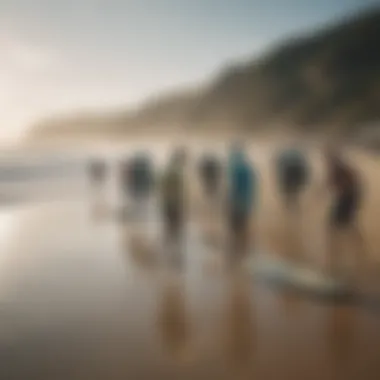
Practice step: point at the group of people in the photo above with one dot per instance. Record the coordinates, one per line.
(292, 172)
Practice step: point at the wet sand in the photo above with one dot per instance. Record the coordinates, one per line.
(84, 296)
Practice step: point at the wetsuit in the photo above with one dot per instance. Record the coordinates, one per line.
(241, 192)
(210, 173)
(140, 177)
(346, 188)
(292, 174)
(172, 194)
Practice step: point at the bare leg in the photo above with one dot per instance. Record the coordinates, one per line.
(179, 247)
(333, 253)
(243, 242)
(294, 235)
(175, 234)
(236, 246)
(360, 250)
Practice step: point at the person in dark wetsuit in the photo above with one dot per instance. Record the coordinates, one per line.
(210, 171)
(292, 174)
(172, 193)
(344, 184)
(137, 181)
(139, 177)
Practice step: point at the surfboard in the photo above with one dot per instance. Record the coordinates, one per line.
(277, 271)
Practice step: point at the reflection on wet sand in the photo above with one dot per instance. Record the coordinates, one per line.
(239, 325)
(173, 321)
(142, 250)
(292, 302)
(149, 252)
(341, 337)
(214, 263)
(213, 233)
(99, 211)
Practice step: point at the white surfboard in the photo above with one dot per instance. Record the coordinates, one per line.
(278, 271)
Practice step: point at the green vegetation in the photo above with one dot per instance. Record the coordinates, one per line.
(327, 81)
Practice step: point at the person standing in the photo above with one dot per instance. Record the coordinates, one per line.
(292, 175)
(139, 179)
(140, 176)
(346, 189)
(210, 172)
(242, 183)
(173, 198)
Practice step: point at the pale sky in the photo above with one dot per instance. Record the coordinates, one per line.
(58, 56)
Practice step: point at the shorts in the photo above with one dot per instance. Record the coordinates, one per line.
(345, 209)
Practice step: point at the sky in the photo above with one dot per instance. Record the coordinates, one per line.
(62, 56)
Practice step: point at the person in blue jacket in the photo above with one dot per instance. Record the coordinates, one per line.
(242, 183)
